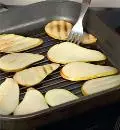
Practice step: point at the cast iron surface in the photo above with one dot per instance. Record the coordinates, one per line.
(31, 19)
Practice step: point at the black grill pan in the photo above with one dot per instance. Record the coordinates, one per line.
(30, 21)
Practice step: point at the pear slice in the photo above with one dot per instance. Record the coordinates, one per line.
(100, 84)
(60, 29)
(33, 76)
(33, 101)
(56, 97)
(18, 61)
(11, 43)
(78, 71)
(22, 45)
(88, 39)
(9, 96)
(67, 52)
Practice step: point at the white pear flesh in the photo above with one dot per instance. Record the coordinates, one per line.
(33, 101)
(56, 97)
(9, 96)
(18, 61)
(33, 76)
(78, 71)
(100, 84)
(68, 52)
(11, 43)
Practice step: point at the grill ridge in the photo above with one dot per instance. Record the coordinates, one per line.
(54, 80)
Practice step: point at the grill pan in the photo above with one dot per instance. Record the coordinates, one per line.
(30, 21)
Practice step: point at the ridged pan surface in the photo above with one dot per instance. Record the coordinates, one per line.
(54, 80)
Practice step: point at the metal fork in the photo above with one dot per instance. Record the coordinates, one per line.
(77, 32)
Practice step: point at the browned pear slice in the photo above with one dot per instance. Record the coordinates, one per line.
(78, 71)
(32, 76)
(10, 43)
(17, 61)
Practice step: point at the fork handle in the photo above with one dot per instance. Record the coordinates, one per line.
(84, 7)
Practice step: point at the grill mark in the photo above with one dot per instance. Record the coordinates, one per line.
(51, 27)
(63, 32)
(65, 27)
(58, 29)
(51, 68)
(44, 69)
(58, 26)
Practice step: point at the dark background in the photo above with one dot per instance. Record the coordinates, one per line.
(102, 119)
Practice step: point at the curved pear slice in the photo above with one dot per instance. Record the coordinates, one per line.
(32, 76)
(18, 61)
(78, 71)
(88, 39)
(9, 96)
(67, 52)
(100, 84)
(58, 29)
(33, 101)
(10, 43)
(56, 97)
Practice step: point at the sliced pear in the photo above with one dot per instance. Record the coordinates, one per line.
(67, 52)
(32, 76)
(60, 29)
(89, 39)
(78, 71)
(33, 101)
(6, 37)
(9, 96)
(18, 61)
(10, 43)
(56, 97)
(22, 45)
(100, 84)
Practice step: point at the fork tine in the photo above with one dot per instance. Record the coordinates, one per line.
(78, 27)
(69, 37)
(79, 41)
(73, 38)
(77, 38)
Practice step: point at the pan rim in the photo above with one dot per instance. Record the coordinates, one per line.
(65, 105)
